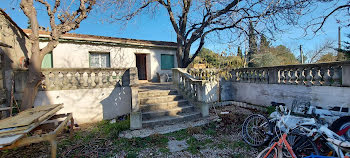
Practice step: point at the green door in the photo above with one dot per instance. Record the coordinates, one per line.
(47, 61)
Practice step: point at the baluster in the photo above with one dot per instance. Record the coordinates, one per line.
(327, 76)
(56, 80)
(60, 78)
(85, 78)
(282, 77)
(265, 76)
(105, 77)
(336, 76)
(64, 80)
(234, 75)
(309, 77)
(253, 76)
(94, 79)
(288, 76)
(317, 76)
(249, 76)
(114, 79)
(301, 78)
(100, 79)
(294, 76)
(89, 79)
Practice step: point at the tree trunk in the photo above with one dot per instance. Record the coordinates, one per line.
(34, 78)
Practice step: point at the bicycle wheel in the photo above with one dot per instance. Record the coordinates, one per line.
(302, 145)
(256, 130)
(272, 154)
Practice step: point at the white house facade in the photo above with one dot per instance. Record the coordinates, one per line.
(89, 51)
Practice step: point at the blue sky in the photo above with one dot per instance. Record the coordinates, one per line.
(159, 28)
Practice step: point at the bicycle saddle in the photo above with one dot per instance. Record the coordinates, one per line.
(344, 144)
(277, 104)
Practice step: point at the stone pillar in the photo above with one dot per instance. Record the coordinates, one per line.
(204, 107)
(175, 76)
(129, 77)
(346, 75)
(273, 76)
(135, 114)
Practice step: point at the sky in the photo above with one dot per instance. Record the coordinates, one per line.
(159, 28)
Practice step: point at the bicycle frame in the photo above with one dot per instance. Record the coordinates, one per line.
(282, 141)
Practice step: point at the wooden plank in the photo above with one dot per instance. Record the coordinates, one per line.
(26, 129)
(9, 140)
(51, 137)
(29, 116)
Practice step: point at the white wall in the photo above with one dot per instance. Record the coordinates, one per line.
(70, 55)
(89, 105)
(264, 94)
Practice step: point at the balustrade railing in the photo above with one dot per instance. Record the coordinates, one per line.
(188, 85)
(322, 74)
(80, 78)
(204, 74)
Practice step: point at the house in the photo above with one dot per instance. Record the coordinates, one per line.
(14, 44)
(92, 75)
(90, 51)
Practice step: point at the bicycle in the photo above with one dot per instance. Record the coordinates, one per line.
(290, 144)
(257, 129)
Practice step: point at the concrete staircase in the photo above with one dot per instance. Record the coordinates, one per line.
(164, 106)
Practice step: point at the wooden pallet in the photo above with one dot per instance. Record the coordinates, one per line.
(50, 136)
(14, 128)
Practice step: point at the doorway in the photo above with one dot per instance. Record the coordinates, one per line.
(141, 66)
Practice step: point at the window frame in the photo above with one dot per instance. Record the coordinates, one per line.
(108, 64)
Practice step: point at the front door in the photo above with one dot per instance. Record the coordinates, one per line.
(141, 66)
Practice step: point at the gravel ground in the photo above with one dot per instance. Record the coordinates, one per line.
(217, 139)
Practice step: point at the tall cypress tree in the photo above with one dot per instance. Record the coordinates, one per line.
(264, 44)
(252, 45)
(239, 52)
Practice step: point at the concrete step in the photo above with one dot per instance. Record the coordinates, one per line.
(164, 106)
(169, 112)
(156, 93)
(161, 99)
(171, 119)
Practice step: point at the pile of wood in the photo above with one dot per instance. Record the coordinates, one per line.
(14, 128)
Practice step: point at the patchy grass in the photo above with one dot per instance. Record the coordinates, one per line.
(217, 139)
(194, 145)
(179, 135)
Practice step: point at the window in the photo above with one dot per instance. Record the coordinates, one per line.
(47, 61)
(99, 60)
(167, 62)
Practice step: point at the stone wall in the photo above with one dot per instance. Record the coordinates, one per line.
(90, 94)
(15, 47)
(324, 85)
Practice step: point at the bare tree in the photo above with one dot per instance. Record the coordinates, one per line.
(326, 47)
(67, 20)
(336, 9)
(193, 20)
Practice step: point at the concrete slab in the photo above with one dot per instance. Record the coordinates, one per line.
(175, 145)
(145, 132)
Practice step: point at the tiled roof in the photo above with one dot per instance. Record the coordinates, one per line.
(108, 39)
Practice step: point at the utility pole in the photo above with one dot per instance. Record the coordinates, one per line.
(339, 39)
(340, 54)
(301, 55)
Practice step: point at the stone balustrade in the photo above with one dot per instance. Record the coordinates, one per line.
(80, 78)
(204, 74)
(322, 74)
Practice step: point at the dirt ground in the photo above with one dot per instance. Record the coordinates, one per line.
(217, 139)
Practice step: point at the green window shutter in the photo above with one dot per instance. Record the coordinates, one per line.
(167, 62)
(47, 61)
